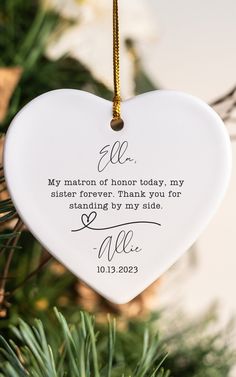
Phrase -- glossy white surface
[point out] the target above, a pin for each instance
(170, 136)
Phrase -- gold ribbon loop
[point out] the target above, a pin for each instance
(116, 70)
(116, 107)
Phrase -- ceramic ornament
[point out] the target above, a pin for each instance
(117, 208)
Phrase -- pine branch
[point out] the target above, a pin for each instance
(83, 348)
(76, 352)
(30, 275)
(226, 104)
(12, 244)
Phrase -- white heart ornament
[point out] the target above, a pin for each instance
(118, 208)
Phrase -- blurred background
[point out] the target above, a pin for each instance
(182, 45)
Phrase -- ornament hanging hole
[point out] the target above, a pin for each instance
(117, 124)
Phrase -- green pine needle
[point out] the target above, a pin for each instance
(76, 352)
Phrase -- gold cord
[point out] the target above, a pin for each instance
(116, 65)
